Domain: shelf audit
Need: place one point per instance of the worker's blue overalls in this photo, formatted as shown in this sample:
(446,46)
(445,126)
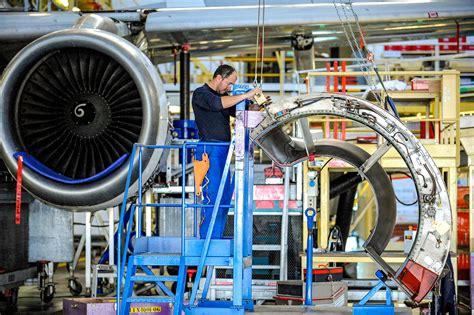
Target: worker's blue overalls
(217,159)
(217,155)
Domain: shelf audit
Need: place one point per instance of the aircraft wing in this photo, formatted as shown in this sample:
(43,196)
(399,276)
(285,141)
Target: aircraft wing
(223,29)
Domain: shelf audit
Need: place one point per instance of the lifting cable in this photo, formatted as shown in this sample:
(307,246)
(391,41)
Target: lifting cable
(260,43)
(366,63)
(353,42)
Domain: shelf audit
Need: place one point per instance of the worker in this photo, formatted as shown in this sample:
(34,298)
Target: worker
(213,106)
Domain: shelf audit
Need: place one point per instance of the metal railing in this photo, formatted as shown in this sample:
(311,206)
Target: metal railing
(184,147)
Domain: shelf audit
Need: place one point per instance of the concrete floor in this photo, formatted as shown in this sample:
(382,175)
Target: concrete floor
(322,310)
(29,301)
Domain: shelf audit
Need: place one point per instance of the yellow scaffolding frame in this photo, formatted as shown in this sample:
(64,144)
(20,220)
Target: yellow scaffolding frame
(445,152)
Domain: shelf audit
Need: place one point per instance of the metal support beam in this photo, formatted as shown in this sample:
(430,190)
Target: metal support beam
(88,252)
(307,137)
(184,82)
(377,155)
(111,240)
(240,205)
(248,222)
(101,224)
(280,57)
(78,252)
(148,200)
(284,229)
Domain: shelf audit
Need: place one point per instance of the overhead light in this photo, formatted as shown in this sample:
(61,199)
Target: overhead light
(410,27)
(391,2)
(217,41)
(222,41)
(324,39)
(63,4)
(323,32)
(243,7)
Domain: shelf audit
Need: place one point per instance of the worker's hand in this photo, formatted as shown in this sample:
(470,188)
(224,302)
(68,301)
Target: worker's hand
(249,95)
(254,106)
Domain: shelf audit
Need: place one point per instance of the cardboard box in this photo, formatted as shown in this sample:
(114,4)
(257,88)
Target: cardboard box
(293,291)
(430,85)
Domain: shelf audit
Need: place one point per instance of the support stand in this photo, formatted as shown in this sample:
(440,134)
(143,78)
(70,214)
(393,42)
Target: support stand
(362,308)
(242,249)
(310,213)
(243,213)
(186,251)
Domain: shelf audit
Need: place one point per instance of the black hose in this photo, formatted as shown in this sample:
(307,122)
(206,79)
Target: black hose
(344,183)
(92,225)
(401,202)
(344,213)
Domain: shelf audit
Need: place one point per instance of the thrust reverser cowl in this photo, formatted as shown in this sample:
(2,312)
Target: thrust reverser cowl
(76,101)
(426,260)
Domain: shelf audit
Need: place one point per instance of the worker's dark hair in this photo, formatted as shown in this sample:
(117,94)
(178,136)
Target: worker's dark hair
(224,70)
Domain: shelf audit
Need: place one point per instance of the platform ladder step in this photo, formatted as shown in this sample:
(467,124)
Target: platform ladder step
(150,299)
(149,277)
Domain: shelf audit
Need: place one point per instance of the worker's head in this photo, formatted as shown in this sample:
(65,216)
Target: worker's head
(224,78)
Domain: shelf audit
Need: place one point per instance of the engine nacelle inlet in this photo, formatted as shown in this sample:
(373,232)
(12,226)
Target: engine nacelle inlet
(74,102)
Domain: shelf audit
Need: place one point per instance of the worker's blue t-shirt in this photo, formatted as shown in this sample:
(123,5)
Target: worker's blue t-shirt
(211,118)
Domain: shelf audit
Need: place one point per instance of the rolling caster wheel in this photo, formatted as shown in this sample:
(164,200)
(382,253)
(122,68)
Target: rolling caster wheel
(47,294)
(75,287)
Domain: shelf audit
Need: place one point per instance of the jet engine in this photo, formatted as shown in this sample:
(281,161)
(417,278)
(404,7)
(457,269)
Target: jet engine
(72,104)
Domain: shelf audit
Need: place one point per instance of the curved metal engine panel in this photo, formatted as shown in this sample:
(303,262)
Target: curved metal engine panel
(426,260)
(77,100)
(376,175)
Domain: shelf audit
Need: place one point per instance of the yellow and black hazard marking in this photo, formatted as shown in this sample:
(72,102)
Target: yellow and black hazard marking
(145,309)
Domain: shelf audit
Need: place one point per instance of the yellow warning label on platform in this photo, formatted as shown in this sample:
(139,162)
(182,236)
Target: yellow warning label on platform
(145,309)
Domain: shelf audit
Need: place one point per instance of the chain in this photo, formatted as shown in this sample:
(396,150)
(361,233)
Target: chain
(353,42)
(370,59)
(257,45)
(262,46)
(359,52)
(260,43)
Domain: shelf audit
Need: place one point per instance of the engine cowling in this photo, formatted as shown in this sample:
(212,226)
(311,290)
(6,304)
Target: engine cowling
(75,101)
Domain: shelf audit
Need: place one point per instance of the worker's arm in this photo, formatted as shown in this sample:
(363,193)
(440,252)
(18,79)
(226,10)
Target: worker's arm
(229,101)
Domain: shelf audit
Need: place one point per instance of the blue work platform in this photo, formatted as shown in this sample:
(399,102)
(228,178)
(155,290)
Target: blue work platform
(185,251)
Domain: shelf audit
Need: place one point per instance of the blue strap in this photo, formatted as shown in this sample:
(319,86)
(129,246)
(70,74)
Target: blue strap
(390,102)
(40,168)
